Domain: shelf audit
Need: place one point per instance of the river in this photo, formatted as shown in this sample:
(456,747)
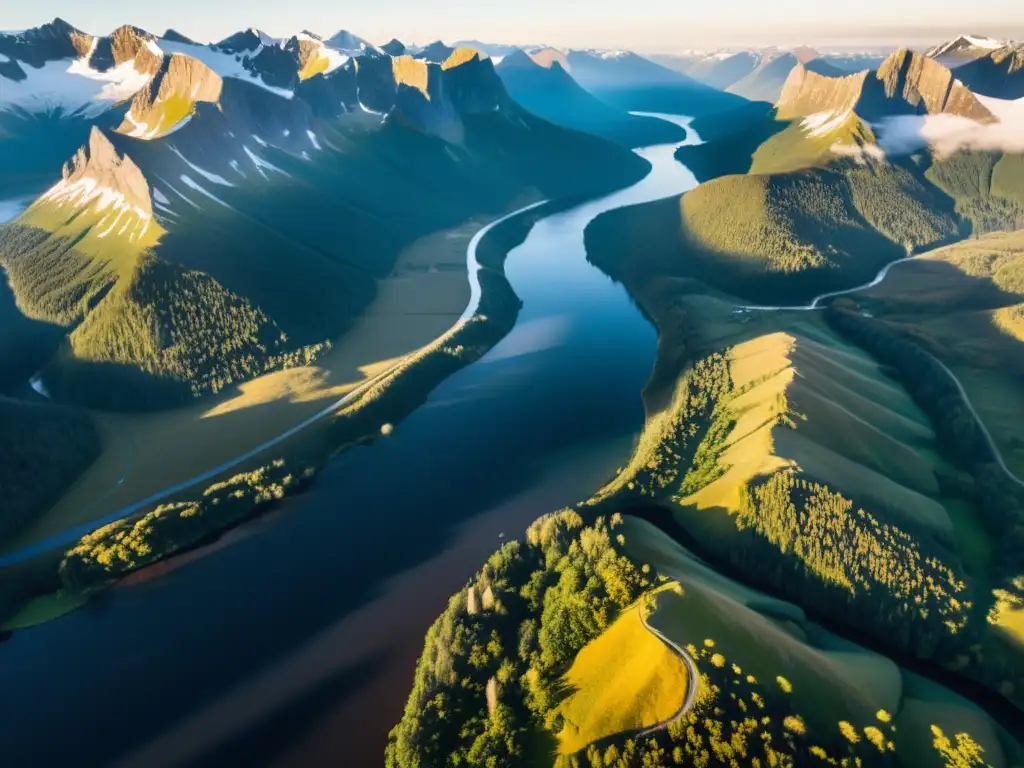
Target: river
(298,640)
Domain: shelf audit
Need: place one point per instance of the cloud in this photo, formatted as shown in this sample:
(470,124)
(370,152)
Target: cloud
(949,133)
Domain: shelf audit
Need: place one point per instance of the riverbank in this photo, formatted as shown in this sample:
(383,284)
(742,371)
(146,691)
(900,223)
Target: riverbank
(486,439)
(187,519)
(143,454)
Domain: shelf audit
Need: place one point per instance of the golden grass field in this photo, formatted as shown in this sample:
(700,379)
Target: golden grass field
(625,679)
(764,636)
(419,301)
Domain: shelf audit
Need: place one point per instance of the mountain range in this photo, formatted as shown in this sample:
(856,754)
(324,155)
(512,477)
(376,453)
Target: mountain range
(197,166)
(837,178)
(539,81)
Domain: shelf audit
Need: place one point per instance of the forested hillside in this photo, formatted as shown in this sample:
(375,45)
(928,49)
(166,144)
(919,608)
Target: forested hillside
(782,238)
(792,208)
(43,449)
(501,669)
(185,262)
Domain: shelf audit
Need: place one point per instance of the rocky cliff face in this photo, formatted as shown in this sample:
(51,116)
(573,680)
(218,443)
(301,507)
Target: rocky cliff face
(171,97)
(807,93)
(437,52)
(99,165)
(1000,74)
(50,42)
(247,41)
(346,42)
(928,86)
(906,83)
(126,44)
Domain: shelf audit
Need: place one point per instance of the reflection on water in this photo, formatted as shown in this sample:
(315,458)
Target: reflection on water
(165,663)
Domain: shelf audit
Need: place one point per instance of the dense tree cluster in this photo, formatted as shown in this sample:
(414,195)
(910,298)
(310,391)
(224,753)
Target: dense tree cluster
(865,567)
(999,500)
(781,238)
(490,681)
(150,335)
(53,281)
(671,438)
(183,325)
(987,186)
(116,550)
(43,448)
(519,623)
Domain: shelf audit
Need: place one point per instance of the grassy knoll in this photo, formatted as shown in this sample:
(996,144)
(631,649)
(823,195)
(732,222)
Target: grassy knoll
(798,147)
(774,687)
(832,414)
(770,636)
(790,450)
(624,680)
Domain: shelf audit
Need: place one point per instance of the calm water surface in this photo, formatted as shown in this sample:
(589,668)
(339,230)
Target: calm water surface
(298,642)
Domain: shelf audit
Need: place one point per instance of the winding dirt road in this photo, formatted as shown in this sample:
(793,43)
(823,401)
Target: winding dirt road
(816,305)
(692,679)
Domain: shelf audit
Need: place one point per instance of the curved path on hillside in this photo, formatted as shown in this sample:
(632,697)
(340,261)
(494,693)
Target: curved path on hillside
(984,430)
(816,305)
(71,535)
(692,678)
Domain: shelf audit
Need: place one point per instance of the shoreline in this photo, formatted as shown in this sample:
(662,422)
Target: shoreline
(423,299)
(394,633)
(387,398)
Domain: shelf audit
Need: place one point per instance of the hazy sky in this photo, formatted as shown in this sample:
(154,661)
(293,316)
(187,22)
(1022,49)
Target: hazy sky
(648,25)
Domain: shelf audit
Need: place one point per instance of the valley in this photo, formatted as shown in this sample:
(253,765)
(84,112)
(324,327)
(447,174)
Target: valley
(424,297)
(532,365)
(673,398)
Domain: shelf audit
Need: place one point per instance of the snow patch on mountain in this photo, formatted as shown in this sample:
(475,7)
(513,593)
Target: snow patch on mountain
(73,87)
(176,191)
(823,123)
(335,58)
(212,177)
(267,39)
(192,184)
(113,224)
(165,211)
(84,191)
(224,64)
(964,42)
(262,165)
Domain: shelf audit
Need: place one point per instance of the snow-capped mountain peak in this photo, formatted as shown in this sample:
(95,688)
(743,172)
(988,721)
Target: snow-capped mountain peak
(964,43)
